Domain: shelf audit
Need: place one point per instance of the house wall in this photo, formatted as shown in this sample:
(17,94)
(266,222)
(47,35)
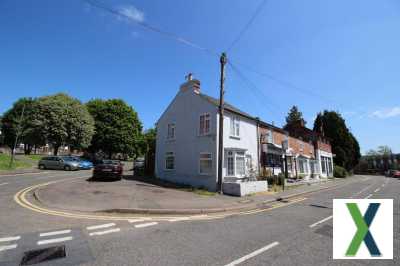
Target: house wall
(247,140)
(184,111)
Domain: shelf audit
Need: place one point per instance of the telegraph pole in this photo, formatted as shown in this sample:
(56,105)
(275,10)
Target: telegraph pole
(222,61)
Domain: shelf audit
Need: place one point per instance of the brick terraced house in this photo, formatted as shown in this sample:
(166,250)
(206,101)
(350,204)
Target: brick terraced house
(187,144)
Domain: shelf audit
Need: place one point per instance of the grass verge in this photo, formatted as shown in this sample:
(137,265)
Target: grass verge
(18,163)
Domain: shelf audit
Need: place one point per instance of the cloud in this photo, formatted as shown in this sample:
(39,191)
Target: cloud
(132,13)
(387,112)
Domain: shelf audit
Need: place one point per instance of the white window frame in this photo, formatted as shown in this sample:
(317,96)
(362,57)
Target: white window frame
(167,155)
(205,159)
(270,136)
(207,119)
(171,131)
(234,126)
(234,155)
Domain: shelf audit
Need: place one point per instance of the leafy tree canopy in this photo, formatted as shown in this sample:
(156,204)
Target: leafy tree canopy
(344,144)
(65,121)
(23,119)
(117,127)
(294,116)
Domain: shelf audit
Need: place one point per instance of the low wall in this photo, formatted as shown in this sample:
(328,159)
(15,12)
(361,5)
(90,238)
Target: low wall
(244,188)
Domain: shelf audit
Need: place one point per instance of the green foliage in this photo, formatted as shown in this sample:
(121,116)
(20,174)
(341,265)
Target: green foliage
(18,164)
(339,172)
(117,128)
(65,121)
(23,119)
(343,142)
(294,115)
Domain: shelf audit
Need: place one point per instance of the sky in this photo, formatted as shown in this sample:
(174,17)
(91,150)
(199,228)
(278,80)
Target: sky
(337,55)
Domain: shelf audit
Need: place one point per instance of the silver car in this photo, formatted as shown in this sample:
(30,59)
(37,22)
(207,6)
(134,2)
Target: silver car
(58,162)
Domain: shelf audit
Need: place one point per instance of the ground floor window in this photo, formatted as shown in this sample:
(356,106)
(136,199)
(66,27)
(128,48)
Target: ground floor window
(236,165)
(330,165)
(205,163)
(303,166)
(323,164)
(272,160)
(169,161)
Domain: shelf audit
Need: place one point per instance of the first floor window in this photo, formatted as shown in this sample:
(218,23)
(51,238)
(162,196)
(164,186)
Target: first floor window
(235,127)
(204,127)
(171,131)
(205,163)
(169,161)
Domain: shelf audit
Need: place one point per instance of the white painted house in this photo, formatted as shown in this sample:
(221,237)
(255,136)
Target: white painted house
(187,140)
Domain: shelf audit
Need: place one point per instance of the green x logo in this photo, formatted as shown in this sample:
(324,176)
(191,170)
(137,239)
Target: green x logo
(363,233)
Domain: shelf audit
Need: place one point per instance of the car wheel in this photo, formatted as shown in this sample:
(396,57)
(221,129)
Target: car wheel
(42,167)
(67,168)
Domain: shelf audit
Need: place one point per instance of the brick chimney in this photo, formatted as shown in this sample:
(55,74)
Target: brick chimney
(190,84)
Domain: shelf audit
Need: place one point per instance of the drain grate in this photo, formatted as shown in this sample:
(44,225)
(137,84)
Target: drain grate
(41,255)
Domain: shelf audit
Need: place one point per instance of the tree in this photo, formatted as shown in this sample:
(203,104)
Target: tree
(117,127)
(384,150)
(27,126)
(294,116)
(344,144)
(65,121)
(150,150)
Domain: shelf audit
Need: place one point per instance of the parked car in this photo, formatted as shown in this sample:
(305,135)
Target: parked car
(83,163)
(108,169)
(389,173)
(396,174)
(58,162)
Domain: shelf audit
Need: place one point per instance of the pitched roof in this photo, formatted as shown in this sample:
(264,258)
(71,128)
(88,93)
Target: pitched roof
(235,110)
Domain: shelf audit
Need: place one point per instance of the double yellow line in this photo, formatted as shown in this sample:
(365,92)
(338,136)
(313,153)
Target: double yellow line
(21,199)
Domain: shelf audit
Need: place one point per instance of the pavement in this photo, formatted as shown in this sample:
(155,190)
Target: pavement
(293,232)
(132,195)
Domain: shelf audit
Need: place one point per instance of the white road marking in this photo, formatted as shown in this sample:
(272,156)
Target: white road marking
(55,233)
(179,219)
(2,248)
(370,195)
(320,222)
(100,226)
(11,238)
(137,220)
(114,230)
(2,184)
(253,254)
(376,190)
(54,240)
(145,225)
(362,190)
(199,216)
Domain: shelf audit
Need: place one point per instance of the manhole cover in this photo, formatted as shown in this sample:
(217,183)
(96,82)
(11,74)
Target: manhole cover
(318,206)
(41,255)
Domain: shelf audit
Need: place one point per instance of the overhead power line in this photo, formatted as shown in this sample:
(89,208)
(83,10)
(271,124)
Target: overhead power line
(147,26)
(253,88)
(247,25)
(286,84)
